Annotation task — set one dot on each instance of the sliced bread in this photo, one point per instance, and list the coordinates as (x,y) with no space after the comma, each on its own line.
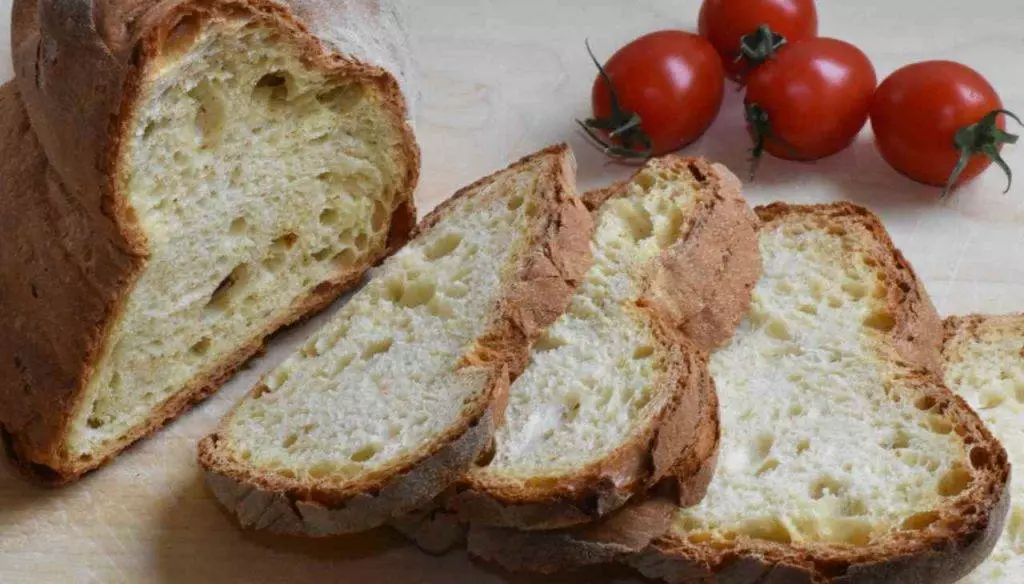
(843,456)
(195,175)
(614,395)
(984,360)
(393,400)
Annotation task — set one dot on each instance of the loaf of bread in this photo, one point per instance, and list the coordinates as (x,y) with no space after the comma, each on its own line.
(843,457)
(984,364)
(393,400)
(613,397)
(190,177)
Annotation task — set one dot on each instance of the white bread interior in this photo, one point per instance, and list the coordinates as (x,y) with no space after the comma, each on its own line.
(253,179)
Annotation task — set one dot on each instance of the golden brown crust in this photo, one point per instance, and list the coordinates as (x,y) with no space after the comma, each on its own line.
(81,67)
(616,537)
(965,529)
(700,286)
(560,232)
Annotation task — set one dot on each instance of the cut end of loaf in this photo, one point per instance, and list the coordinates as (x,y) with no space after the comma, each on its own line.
(261,186)
(417,357)
(876,460)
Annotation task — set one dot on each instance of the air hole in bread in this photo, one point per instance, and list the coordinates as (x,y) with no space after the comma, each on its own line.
(379,218)
(767,466)
(346,258)
(767,528)
(443,246)
(456,290)
(643,352)
(323,254)
(796,410)
(210,113)
(826,485)
(954,482)
(289,440)
(638,219)
(981,458)
(900,440)
(777,329)
(272,89)
(329,217)
(571,408)
(365,453)
(361,241)
(670,232)
(515,202)
(278,378)
(284,242)
(802,445)
(322,469)
(377,347)
(939,424)
(417,293)
(835,302)
(440,308)
(394,430)
(763,445)
(548,342)
(181,35)
(200,348)
(856,290)
(341,99)
(230,288)
(919,521)
(238,226)
(925,402)
(881,320)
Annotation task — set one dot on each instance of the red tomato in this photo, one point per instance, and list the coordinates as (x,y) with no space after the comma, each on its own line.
(726,22)
(918,112)
(811,100)
(671,80)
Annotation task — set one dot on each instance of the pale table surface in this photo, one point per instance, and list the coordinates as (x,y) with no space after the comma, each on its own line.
(501,79)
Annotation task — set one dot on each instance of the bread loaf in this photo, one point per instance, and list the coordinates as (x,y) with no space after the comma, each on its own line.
(209,171)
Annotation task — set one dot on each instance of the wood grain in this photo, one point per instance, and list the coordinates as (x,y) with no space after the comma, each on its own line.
(499,80)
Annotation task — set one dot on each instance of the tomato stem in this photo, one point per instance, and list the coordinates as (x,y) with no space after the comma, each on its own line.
(622,125)
(758,47)
(982,138)
(760,129)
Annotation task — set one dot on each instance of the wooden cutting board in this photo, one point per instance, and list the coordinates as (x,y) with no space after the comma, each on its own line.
(499,80)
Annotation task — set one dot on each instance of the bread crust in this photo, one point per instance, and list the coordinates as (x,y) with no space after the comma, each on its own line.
(614,538)
(699,288)
(81,68)
(539,289)
(966,528)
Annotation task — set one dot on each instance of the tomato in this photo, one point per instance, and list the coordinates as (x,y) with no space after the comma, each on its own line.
(930,116)
(665,90)
(726,22)
(809,101)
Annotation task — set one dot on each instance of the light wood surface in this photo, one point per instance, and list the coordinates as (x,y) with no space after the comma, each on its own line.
(500,79)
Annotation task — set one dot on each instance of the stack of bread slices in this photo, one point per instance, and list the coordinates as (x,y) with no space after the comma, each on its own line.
(651,373)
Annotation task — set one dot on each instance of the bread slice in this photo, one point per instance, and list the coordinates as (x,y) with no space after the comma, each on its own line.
(984,364)
(197,175)
(616,537)
(393,400)
(614,392)
(843,457)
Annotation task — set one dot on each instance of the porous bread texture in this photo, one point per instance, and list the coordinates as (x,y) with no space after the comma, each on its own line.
(841,459)
(611,395)
(419,358)
(984,358)
(181,148)
(254,179)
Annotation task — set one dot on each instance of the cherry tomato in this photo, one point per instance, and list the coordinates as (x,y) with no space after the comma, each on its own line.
(809,101)
(726,22)
(930,117)
(656,94)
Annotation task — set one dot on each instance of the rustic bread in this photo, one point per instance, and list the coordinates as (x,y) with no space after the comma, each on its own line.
(843,456)
(984,364)
(614,392)
(393,400)
(214,172)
